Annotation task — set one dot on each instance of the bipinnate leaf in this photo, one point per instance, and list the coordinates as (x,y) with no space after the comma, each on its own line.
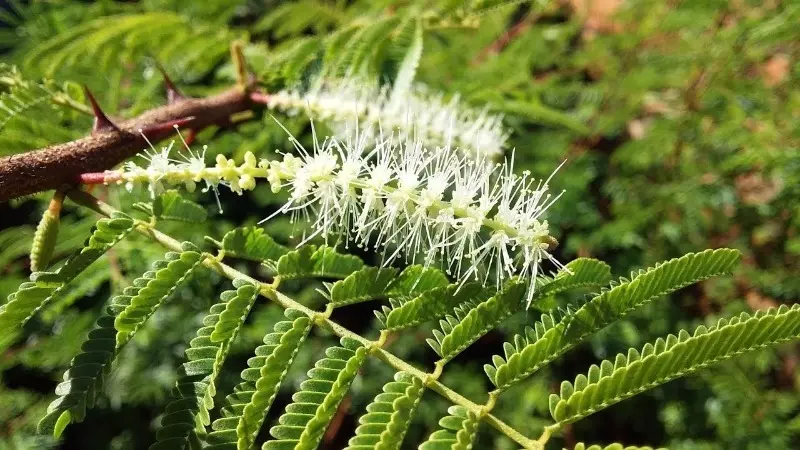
(388,417)
(550,337)
(312,262)
(670,358)
(84,379)
(471,320)
(247,407)
(183,425)
(458,431)
(304,423)
(170,205)
(32,296)
(252,243)
(369,283)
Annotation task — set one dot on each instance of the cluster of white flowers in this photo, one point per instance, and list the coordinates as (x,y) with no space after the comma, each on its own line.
(414,114)
(478,220)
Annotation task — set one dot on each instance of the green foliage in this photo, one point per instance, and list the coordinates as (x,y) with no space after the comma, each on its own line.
(84,380)
(678,123)
(253,244)
(458,431)
(45,286)
(316,262)
(247,407)
(670,358)
(313,406)
(582,446)
(550,338)
(471,321)
(186,416)
(153,289)
(172,206)
(388,417)
(367,284)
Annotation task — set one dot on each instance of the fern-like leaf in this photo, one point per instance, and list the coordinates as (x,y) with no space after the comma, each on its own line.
(247,407)
(184,422)
(312,262)
(412,282)
(44,286)
(154,288)
(671,358)
(369,283)
(252,243)
(471,320)
(431,305)
(388,417)
(303,424)
(86,375)
(170,205)
(408,68)
(458,431)
(551,338)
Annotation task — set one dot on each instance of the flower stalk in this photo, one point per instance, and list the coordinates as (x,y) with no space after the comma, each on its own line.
(480,221)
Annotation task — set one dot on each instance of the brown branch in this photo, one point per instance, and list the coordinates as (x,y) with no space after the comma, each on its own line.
(62,164)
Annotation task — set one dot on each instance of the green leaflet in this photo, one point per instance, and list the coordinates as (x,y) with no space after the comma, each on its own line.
(44,286)
(388,417)
(471,320)
(235,313)
(303,424)
(415,280)
(412,33)
(185,417)
(550,338)
(614,446)
(252,243)
(412,282)
(153,288)
(299,58)
(431,305)
(358,55)
(367,284)
(312,262)
(579,273)
(86,375)
(172,206)
(247,407)
(671,358)
(459,430)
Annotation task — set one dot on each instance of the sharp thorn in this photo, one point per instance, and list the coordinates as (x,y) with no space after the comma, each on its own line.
(102,123)
(165,127)
(173,94)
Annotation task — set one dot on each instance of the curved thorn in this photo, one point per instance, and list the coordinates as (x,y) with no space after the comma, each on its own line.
(173,94)
(102,123)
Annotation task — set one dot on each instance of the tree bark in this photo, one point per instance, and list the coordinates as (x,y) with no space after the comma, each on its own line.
(61,165)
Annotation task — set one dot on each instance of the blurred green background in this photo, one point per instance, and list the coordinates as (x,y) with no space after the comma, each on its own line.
(679,121)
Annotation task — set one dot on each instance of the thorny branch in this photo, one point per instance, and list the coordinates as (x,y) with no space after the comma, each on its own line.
(109,144)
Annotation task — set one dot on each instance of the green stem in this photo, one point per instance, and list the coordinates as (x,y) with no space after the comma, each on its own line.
(267,290)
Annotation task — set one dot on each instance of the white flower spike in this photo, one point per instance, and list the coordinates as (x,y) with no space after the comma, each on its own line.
(419,113)
(479,220)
